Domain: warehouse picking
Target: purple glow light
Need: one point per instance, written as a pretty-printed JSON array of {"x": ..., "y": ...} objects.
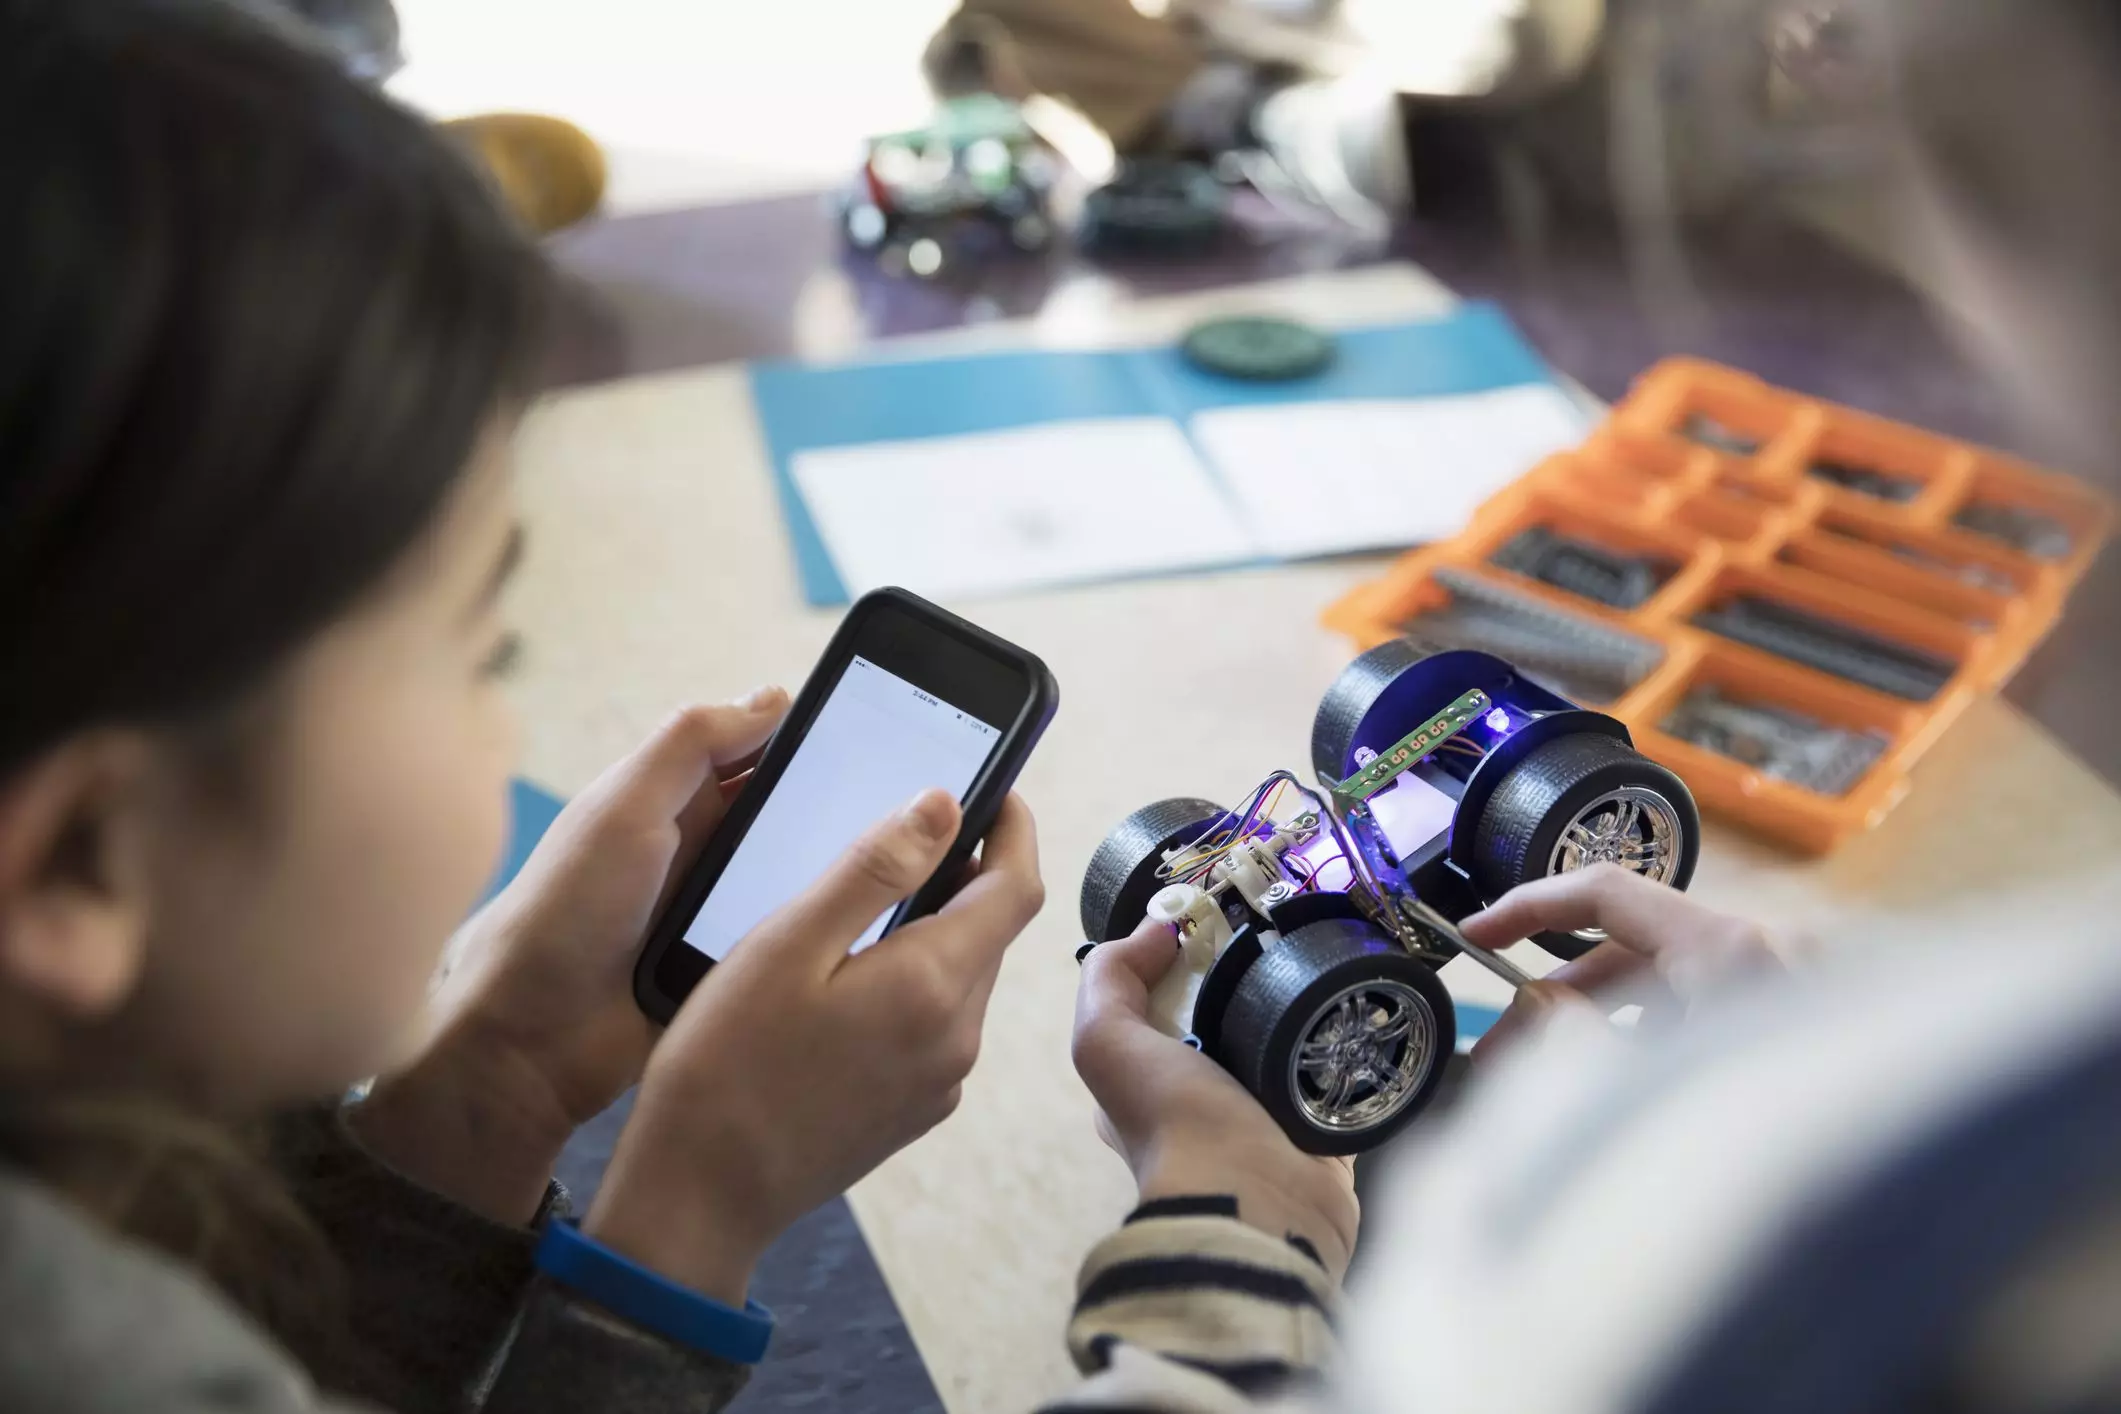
[{"x": 1498, "y": 720}]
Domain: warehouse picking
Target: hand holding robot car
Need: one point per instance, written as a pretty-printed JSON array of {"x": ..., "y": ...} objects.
[{"x": 1311, "y": 923}]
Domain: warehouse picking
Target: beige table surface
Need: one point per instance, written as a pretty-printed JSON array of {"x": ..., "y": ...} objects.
[{"x": 660, "y": 574}]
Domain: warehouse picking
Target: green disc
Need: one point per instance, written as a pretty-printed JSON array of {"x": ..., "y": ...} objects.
[{"x": 1269, "y": 350}]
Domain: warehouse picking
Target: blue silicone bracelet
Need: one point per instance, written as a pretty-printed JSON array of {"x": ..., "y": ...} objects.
[{"x": 593, "y": 1271}]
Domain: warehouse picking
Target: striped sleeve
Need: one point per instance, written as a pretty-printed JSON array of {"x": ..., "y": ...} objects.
[{"x": 1187, "y": 1309}]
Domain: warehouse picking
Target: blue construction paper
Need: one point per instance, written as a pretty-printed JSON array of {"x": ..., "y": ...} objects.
[
  {"x": 1474, "y": 1021},
  {"x": 807, "y": 407},
  {"x": 531, "y": 811}
]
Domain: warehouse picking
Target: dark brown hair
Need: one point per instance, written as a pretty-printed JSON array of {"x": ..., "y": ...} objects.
[{"x": 253, "y": 320}]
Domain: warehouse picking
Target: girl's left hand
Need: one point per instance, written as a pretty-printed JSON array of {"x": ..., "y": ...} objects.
[
  {"x": 1183, "y": 1123},
  {"x": 538, "y": 1028}
]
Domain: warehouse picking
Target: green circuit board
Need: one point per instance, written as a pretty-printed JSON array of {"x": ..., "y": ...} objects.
[{"x": 1411, "y": 748}]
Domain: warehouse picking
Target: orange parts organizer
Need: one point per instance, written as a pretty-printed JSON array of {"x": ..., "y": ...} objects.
[{"x": 1787, "y": 601}]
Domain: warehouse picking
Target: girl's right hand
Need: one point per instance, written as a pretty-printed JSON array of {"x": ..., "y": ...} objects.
[
  {"x": 794, "y": 1069},
  {"x": 1663, "y": 950}
]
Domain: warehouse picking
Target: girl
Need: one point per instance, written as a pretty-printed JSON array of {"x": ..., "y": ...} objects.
[{"x": 262, "y": 342}]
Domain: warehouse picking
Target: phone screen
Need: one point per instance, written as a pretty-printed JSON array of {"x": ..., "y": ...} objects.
[{"x": 877, "y": 742}]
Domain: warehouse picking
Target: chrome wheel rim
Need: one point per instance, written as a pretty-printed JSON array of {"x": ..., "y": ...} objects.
[
  {"x": 1362, "y": 1056},
  {"x": 1633, "y": 827}
]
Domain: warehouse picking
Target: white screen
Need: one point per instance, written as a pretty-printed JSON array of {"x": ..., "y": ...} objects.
[{"x": 876, "y": 743}]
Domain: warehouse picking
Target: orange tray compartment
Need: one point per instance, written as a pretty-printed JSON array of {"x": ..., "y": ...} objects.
[{"x": 1743, "y": 489}]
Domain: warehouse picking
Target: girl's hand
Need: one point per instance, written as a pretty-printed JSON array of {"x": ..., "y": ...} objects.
[
  {"x": 794, "y": 1069},
  {"x": 1663, "y": 951},
  {"x": 1183, "y": 1124},
  {"x": 538, "y": 1028}
]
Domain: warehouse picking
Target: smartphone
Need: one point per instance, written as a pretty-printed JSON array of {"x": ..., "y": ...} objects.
[{"x": 907, "y": 697}]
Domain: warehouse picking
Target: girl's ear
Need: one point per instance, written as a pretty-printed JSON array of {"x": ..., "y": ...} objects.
[{"x": 74, "y": 876}]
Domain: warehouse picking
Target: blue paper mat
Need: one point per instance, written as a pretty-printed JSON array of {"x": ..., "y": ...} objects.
[
  {"x": 531, "y": 812},
  {"x": 807, "y": 407}
]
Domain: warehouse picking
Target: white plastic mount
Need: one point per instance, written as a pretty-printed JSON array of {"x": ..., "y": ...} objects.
[{"x": 1203, "y": 933}]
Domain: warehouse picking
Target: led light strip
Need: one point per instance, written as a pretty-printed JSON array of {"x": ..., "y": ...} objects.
[{"x": 1412, "y": 748}]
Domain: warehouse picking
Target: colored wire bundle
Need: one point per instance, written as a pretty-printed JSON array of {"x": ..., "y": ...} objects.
[{"x": 1252, "y": 821}]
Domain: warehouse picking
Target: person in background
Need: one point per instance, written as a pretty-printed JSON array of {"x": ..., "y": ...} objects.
[
  {"x": 1338, "y": 95},
  {"x": 264, "y": 338},
  {"x": 1888, "y": 1183}
]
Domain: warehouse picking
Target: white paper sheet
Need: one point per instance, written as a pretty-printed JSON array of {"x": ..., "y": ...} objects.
[
  {"x": 1071, "y": 502},
  {"x": 1335, "y": 477},
  {"x": 1000, "y": 512}
]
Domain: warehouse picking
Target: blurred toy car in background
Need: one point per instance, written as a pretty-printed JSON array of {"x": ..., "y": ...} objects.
[
  {"x": 1311, "y": 923},
  {"x": 973, "y": 185}
]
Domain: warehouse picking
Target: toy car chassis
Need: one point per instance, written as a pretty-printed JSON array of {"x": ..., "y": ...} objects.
[
  {"x": 973, "y": 184},
  {"x": 1307, "y": 920}
]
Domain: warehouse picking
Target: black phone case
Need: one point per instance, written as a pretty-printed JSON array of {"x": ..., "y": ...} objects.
[{"x": 983, "y": 801}]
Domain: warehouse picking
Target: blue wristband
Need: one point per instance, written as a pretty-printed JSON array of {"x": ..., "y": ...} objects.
[{"x": 591, "y": 1270}]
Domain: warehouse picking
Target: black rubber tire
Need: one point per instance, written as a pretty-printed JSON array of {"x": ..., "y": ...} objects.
[
  {"x": 1122, "y": 879},
  {"x": 1278, "y": 999},
  {"x": 1349, "y": 700},
  {"x": 1535, "y": 802}
]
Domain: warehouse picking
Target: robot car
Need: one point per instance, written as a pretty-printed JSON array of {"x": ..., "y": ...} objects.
[
  {"x": 974, "y": 183},
  {"x": 1311, "y": 923}
]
